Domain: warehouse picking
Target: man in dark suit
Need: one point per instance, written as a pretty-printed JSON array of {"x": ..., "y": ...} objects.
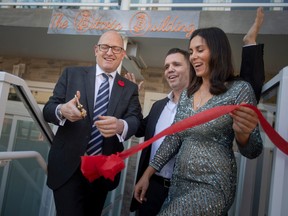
[
  {"x": 74, "y": 195},
  {"x": 162, "y": 113}
]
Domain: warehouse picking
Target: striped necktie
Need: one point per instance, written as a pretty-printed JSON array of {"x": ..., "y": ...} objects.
[{"x": 95, "y": 144}]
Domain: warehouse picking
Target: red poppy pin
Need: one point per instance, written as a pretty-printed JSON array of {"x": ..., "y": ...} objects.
[{"x": 121, "y": 83}]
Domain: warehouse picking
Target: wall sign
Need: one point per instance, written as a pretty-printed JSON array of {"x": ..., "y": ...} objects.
[{"x": 161, "y": 24}]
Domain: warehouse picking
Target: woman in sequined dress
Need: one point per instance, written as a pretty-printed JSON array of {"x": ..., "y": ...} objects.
[{"x": 204, "y": 177}]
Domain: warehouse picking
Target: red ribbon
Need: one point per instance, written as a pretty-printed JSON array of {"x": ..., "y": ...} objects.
[{"x": 93, "y": 167}]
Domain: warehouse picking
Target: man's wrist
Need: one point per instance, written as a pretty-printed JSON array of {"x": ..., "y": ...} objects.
[
  {"x": 120, "y": 126},
  {"x": 248, "y": 45},
  {"x": 59, "y": 113}
]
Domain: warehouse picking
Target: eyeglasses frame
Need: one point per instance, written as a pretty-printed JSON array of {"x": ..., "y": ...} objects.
[{"x": 110, "y": 47}]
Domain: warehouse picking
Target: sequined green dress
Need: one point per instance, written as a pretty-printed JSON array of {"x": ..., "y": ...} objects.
[{"x": 204, "y": 178}]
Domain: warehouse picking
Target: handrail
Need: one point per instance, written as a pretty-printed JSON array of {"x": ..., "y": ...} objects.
[
  {"x": 59, "y": 4},
  {"x": 24, "y": 154},
  {"x": 145, "y": 5},
  {"x": 274, "y": 81},
  {"x": 29, "y": 101},
  {"x": 232, "y": 5}
]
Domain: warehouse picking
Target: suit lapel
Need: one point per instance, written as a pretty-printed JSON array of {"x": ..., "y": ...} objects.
[
  {"x": 115, "y": 96},
  {"x": 90, "y": 89},
  {"x": 154, "y": 116}
]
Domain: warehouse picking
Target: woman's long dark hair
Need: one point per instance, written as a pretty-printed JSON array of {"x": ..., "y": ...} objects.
[{"x": 220, "y": 65}]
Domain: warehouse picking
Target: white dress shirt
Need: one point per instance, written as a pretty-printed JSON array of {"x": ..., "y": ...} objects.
[{"x": 165, "y": 120}]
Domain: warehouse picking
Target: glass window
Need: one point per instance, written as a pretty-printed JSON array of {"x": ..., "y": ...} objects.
[
  {"x": 187, "y": 1},
  {"x": 248, "y": 1}
]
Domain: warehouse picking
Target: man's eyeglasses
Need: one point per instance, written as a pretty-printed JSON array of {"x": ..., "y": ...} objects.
[{"x": 105, "y": 48}]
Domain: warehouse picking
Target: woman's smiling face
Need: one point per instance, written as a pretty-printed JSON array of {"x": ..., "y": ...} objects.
[{"x": 200, "y": 56}]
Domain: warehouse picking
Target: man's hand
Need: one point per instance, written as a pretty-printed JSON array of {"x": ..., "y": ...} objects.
[
  {"x": 131, "y": 77},
  {"x": 140, "y": 189},
  {"x": 79, "y": 105},
  {"x": 142, "y": 185},
  {"x": 70, "y": 111},
  {"x": 109, "y": 126}
]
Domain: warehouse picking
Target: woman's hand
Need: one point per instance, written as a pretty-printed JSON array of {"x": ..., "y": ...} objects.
[{"x": 245, "y": 121}]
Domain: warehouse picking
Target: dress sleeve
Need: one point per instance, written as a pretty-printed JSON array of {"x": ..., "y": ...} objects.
[
  {"x": 167, "y": 150},
  {"x": 254, "y": 146}
]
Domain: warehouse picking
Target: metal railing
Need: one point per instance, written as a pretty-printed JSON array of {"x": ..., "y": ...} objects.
[
  {"x": 5, "y": 157},
  {"x": 26, "y": 96},
  {"x": 23, "y": 144},
  {"x": 126, "y": 5}
]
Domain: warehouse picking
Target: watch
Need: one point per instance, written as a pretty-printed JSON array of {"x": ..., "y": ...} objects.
[{"x": 59, "y": 113}]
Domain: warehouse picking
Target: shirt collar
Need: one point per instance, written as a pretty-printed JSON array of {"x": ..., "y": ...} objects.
[
  {"x": 100, "y": 71},
  {"x": 170, "y": 96}
]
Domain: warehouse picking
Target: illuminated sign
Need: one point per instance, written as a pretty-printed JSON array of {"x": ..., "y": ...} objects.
[{"x": 163, "y": 24}]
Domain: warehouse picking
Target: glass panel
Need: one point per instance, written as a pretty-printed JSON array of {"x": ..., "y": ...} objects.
[
  {"x": 264, "y": 170},
  {"x": 4, "y": 139},
  {"x": 248, "y": 1},
  {"x": 25, "y": 179},
  {"x": 187, "y": 1},
  {"x": 111, "y": 1},
  {"x": 118, "y": 194},
  {"x": 270, "y": 97},
  {"x": 285, "y": 8},
  {"x": 108, "y": 200},
  {"x": 117, "y": 207}
]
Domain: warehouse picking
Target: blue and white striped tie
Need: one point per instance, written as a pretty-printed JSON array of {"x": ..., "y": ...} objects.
[{"x": 95, "y": 144}]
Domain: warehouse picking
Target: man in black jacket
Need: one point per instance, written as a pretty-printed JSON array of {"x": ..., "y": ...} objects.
[{"x": 74, "y": 195}]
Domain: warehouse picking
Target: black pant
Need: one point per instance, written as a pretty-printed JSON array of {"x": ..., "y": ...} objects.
[{"x": 79, "y": 197}]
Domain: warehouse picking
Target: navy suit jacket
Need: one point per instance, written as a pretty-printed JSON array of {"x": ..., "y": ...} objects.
[
  {"x": 252, "y": 70},
  {"x": 70, "y": 141}
]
